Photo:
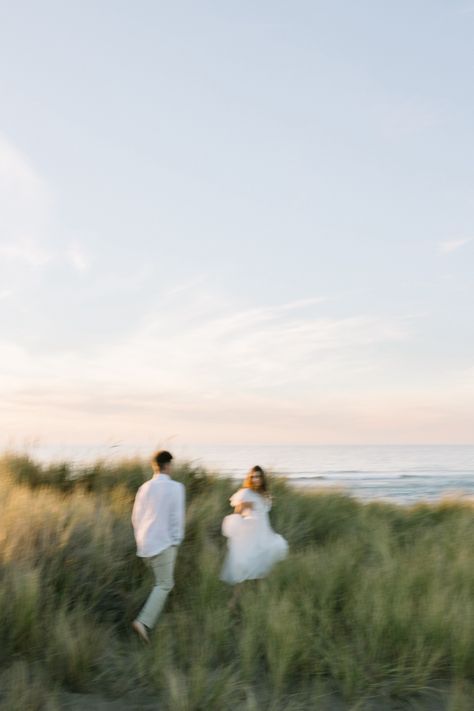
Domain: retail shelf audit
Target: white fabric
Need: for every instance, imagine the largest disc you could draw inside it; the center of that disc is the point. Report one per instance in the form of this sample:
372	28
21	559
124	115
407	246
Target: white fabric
158	515
246	495
253	547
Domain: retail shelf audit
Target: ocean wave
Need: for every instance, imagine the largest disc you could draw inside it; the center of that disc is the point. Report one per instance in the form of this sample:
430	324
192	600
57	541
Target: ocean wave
382	474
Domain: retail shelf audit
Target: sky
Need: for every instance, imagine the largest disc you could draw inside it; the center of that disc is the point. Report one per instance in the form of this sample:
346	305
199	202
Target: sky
239	222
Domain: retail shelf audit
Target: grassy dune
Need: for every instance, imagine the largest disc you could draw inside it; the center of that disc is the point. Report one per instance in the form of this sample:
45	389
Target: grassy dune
374	602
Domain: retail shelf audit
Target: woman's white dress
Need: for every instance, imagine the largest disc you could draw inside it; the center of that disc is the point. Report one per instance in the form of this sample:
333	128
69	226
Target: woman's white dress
253	547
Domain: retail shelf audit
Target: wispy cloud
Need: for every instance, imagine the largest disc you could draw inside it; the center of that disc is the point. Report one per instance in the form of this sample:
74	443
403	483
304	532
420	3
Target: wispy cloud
269	374
25	198
182	354
26	209
30	238
25	251
452	245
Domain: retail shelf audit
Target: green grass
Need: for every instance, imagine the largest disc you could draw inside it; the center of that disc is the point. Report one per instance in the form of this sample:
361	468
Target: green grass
374	602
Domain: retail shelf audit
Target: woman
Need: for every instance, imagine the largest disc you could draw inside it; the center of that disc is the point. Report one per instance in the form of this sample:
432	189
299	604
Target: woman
253	547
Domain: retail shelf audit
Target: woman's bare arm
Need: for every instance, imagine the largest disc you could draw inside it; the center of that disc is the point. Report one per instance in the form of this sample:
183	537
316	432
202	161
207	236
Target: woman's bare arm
243	506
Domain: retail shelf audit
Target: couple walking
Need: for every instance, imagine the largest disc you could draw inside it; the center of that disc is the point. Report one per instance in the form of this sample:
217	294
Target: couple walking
158	522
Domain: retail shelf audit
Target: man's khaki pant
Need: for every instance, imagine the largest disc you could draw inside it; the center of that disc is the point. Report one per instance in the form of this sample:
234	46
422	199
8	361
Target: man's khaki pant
163	569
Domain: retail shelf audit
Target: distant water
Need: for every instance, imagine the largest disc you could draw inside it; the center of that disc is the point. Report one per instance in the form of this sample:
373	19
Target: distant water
403	473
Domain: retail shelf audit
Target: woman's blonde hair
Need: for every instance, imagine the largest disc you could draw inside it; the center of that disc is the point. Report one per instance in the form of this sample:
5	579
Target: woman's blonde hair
249	484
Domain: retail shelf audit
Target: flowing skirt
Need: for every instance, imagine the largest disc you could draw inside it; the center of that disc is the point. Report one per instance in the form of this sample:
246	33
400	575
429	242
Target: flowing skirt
253	548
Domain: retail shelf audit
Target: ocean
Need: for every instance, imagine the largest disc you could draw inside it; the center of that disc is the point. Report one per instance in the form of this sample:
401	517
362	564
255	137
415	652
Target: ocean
399	473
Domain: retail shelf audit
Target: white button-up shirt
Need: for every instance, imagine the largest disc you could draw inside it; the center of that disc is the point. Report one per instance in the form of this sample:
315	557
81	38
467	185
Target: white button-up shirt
158	515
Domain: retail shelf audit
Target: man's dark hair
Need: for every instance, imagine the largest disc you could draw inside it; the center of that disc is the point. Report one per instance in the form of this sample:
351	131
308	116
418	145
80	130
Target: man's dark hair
161	458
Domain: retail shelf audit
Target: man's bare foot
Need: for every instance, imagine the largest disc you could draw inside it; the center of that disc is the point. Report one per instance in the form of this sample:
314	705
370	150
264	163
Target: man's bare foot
141	630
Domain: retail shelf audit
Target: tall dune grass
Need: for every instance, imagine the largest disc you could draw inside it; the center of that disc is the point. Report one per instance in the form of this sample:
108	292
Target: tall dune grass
374	602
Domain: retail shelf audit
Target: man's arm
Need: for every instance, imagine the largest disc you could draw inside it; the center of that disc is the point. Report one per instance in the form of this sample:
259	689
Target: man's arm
178	517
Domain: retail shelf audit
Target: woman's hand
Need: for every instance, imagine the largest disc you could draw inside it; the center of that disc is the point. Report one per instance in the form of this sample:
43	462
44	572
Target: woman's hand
243	507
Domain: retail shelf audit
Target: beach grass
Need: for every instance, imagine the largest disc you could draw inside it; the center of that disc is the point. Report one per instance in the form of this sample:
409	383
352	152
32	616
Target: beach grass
374	605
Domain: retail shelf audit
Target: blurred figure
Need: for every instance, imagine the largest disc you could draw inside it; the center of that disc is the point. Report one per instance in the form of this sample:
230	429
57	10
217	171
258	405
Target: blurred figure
158	524
253	547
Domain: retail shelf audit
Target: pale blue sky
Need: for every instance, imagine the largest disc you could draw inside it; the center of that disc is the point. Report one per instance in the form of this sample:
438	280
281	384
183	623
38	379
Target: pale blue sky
237	222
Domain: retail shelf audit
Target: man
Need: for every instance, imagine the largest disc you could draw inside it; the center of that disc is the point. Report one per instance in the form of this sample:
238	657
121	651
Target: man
158	524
